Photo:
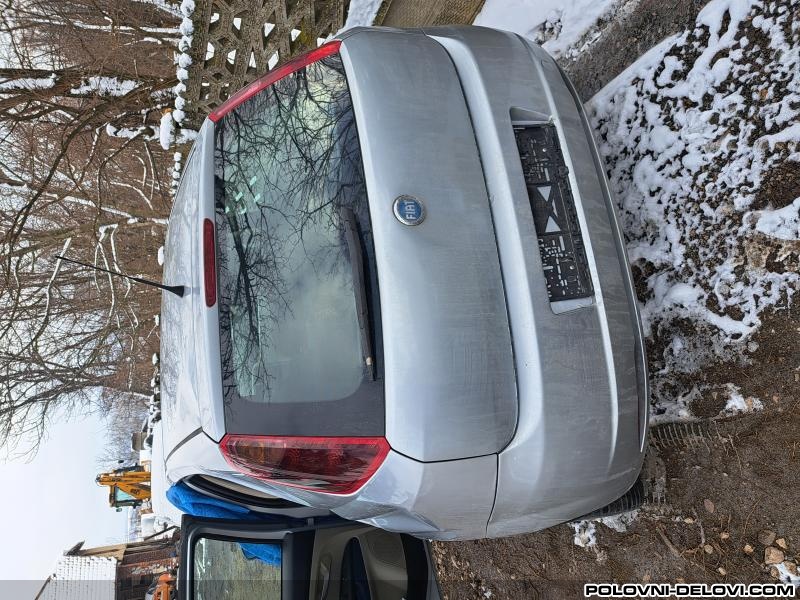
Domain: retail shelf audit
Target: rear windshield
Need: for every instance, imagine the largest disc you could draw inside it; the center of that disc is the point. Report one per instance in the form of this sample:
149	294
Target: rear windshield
295	260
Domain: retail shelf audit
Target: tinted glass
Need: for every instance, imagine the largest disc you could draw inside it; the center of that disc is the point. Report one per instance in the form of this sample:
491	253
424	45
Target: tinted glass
236	571
289	180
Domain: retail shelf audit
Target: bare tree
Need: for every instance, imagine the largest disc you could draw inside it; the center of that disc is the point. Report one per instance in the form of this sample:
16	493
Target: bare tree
81	95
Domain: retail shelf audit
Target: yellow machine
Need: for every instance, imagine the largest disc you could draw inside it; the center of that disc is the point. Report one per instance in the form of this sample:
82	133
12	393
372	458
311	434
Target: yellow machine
128	486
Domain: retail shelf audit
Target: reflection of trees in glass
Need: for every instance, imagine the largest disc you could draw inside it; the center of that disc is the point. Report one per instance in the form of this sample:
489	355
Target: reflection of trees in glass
287	162
221	570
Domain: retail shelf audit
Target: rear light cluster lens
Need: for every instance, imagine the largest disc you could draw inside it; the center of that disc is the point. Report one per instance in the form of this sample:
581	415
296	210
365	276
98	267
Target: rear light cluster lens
335	465
209	263
259	85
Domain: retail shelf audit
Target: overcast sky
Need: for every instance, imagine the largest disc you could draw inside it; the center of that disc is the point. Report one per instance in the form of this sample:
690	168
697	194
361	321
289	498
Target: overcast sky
52	502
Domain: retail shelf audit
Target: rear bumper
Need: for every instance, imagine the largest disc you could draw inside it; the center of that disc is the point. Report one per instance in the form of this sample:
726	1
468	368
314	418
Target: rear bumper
581	378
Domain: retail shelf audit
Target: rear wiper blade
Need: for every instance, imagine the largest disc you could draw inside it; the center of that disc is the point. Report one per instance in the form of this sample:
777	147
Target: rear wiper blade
359	285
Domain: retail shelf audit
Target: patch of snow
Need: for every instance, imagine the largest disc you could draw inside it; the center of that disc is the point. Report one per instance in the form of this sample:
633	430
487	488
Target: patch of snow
186	135
129	132
555	24
585	535
105	86
187	8
620	522
675	408
783	223
166	131
183	61
737	403
187	27
161	255
786	576
361	13
176	175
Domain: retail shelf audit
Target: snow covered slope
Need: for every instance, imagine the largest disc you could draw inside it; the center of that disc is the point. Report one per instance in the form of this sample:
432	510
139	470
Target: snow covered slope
700	138
558	25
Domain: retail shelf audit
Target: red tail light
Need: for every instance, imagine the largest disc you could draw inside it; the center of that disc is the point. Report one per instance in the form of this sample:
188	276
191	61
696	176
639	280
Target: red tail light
336	465
297	63
209	263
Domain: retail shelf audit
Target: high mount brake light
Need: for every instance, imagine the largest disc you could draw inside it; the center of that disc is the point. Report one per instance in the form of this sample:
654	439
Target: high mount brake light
259	85
334	465
209	263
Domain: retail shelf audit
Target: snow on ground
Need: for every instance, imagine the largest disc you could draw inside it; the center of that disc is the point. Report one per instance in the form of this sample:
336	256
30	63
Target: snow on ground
620	522
783	223
736	403
692	133
787	576
585	534
563	28
361	13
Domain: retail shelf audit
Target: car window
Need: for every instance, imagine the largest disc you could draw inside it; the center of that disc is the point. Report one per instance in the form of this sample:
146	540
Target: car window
289	190
355	582
235	570
121	495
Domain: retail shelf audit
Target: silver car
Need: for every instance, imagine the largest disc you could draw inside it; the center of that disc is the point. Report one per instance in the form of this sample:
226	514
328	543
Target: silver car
407	295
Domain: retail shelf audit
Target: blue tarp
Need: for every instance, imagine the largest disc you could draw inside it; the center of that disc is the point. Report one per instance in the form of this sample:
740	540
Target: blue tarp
196	504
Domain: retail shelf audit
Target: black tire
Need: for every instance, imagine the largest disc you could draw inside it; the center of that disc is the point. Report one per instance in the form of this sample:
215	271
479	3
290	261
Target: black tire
630	500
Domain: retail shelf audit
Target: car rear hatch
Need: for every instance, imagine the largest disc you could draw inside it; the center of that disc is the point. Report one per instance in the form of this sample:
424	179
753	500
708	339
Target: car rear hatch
336	319
450	388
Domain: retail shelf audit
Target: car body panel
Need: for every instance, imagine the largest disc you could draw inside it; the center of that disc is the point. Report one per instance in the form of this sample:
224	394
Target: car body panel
404	495
577	445
179	329
159	481
449	369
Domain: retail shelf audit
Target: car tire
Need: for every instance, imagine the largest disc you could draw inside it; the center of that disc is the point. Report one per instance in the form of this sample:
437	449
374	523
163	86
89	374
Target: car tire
630	500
